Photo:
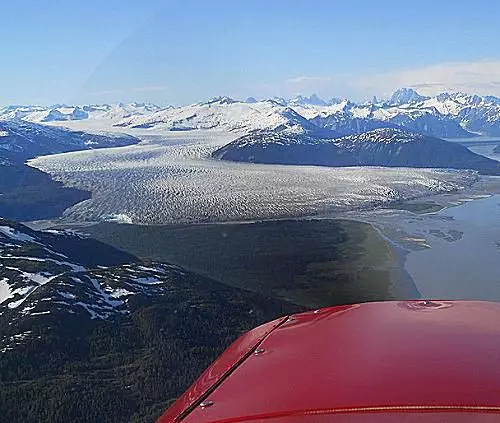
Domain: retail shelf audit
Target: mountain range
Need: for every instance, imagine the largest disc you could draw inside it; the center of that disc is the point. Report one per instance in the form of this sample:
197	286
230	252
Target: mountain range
447	115
92	333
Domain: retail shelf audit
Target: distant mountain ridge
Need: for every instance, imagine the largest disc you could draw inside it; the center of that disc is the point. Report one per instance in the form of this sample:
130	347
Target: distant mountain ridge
224	114
448	115
63	112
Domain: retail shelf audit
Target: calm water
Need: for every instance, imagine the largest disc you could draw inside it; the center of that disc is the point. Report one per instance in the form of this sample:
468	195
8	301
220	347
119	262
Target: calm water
463	261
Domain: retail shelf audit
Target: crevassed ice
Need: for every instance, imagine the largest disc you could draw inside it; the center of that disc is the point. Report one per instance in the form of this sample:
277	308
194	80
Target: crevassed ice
173	179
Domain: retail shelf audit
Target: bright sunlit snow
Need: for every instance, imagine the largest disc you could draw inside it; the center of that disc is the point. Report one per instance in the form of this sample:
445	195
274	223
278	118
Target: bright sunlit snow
4	290
13	234
171	178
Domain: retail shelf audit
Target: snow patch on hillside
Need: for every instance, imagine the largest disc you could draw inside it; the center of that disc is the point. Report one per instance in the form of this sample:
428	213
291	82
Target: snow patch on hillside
15	235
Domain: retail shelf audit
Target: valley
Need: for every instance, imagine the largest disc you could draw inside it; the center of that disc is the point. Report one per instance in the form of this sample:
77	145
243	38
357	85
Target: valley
153	237
172	179
249	211
313	263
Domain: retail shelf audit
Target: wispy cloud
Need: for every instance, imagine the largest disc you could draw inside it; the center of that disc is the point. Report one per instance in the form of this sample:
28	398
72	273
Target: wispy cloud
146	89
307	84
309	79
107	92
479	77
153	88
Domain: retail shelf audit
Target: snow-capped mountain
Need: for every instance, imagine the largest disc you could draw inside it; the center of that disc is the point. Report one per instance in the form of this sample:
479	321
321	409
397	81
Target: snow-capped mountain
480	115
406	96
223	114
390	147
422	120
349	118
62	113
448	115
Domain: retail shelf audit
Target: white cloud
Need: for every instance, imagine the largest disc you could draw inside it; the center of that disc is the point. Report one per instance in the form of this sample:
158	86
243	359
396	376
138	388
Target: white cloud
480	77
153	88
107	92
326	86
309	79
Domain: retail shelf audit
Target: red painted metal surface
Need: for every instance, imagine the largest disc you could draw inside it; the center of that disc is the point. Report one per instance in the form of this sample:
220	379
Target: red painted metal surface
229	360
418	360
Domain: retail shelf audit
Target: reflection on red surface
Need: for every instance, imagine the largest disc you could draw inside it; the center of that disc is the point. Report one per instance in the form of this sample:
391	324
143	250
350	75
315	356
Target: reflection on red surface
385	417
431	358
237	352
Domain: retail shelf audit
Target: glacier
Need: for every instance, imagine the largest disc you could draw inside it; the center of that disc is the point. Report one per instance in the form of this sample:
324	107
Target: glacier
171	178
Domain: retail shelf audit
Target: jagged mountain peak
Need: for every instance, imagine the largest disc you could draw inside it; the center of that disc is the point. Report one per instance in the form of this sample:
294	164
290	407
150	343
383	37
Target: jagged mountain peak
406	96
220	100
449	114
313	100
334	100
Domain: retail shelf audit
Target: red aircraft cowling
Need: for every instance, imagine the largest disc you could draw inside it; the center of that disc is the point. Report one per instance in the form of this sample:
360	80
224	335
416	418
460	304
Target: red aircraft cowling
405	361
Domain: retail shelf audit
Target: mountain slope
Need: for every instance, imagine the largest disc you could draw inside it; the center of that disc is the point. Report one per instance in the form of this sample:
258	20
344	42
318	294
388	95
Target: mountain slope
380	147
106	337
395	147
27	193
474	113
22	140
426	122
347	124
349	118
223	114
284	148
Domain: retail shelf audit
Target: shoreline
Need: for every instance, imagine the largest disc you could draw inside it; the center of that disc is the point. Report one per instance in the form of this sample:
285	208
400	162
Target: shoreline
314	263
399	274
435	238
382	220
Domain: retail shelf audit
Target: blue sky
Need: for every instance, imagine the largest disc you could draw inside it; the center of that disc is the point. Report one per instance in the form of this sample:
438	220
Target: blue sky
173	52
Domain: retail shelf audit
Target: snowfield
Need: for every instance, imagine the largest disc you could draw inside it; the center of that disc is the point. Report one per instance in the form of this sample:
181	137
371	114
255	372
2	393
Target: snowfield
170	178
